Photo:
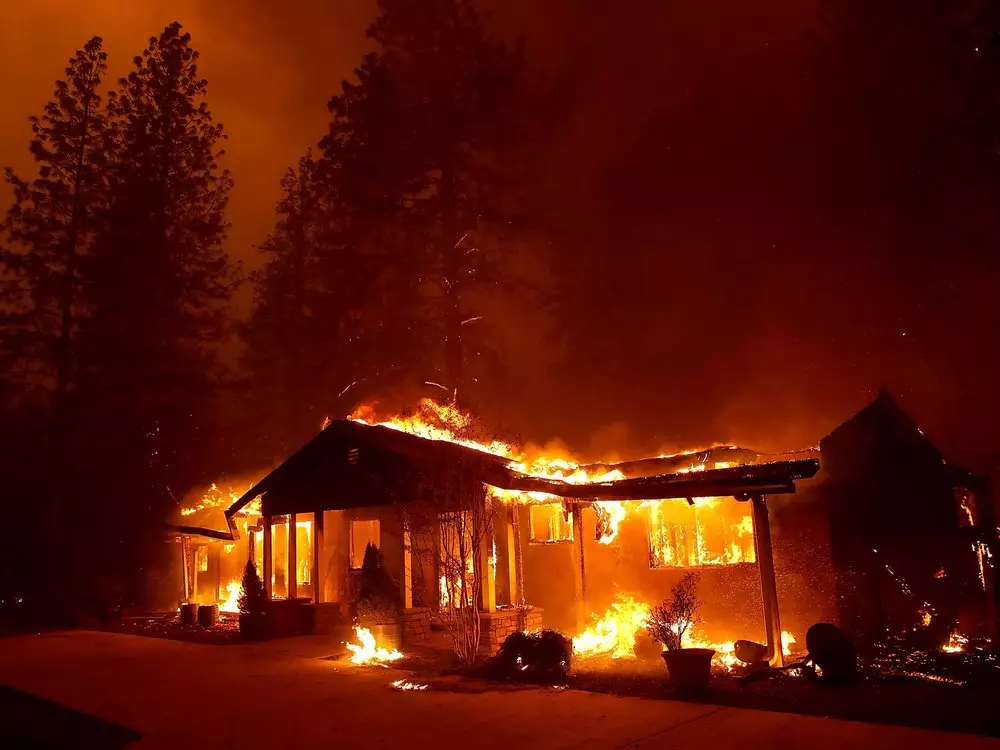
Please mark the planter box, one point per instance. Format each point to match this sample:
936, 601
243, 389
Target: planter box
257, 627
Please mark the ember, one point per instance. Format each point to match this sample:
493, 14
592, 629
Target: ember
369, 652
404, 685
956, 644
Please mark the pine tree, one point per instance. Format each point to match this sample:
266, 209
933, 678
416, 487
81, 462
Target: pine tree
422, 144
158, 279
285, 340
52, 221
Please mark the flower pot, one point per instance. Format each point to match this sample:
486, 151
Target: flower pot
189, 614
689, 667
208, 615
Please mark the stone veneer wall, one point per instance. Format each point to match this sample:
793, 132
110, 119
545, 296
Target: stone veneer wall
416, 624
329, 617
496, 626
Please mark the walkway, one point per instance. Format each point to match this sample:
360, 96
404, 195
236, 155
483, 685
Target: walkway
279, 695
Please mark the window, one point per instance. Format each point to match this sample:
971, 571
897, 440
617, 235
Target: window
363, 532
550, 524
712, 531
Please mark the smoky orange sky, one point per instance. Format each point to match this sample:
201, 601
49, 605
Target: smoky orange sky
715, 292
271, 69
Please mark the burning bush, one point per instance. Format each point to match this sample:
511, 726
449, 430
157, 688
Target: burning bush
534, 657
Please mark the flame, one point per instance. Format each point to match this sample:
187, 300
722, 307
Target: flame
368, 652
615, 632
231, 603
404, 685
435, 421
787, 640
956, 643
615, 514
215, 497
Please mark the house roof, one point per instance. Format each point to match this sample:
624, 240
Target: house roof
352, 464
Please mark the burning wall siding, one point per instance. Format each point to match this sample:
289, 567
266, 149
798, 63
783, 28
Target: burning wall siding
731, 592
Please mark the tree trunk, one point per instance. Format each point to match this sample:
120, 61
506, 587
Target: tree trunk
69, 273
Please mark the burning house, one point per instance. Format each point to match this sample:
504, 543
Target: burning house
553, 542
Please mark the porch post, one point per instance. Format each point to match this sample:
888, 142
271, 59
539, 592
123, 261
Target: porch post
268, 561
579, 569
515, 530
215, 561
293, 559
185, 546
406, 580
506, 564
317, 569
768, 583
483, 552
194, 572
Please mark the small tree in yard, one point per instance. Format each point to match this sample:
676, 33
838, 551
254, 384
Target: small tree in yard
671, 619
458, 514
253, 598
378, 599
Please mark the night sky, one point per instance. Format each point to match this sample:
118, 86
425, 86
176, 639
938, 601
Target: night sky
715, 290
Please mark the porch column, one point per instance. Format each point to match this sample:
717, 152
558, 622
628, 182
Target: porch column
768, 583
185, 547
488, 593
317, 569
515, 530
483, 552
579, 567
268, 561
293, 560
406, 580
506, 554
215, 561
194, 572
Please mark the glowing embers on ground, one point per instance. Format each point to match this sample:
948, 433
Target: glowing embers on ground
614, 635
956, 644
369, 652
407, 685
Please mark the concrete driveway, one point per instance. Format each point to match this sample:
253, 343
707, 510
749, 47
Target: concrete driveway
280, 695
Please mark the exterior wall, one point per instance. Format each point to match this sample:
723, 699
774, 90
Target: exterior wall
731, 596
494, 627
416, 624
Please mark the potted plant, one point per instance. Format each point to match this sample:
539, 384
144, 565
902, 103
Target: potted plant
669, 622
377, 606
255, 623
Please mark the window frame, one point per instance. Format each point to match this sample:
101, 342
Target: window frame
547, 542
350, 541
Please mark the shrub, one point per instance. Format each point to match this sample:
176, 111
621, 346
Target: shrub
378, 596
253, 598
533, 657
670, 620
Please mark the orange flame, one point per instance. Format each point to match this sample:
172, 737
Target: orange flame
369, 652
